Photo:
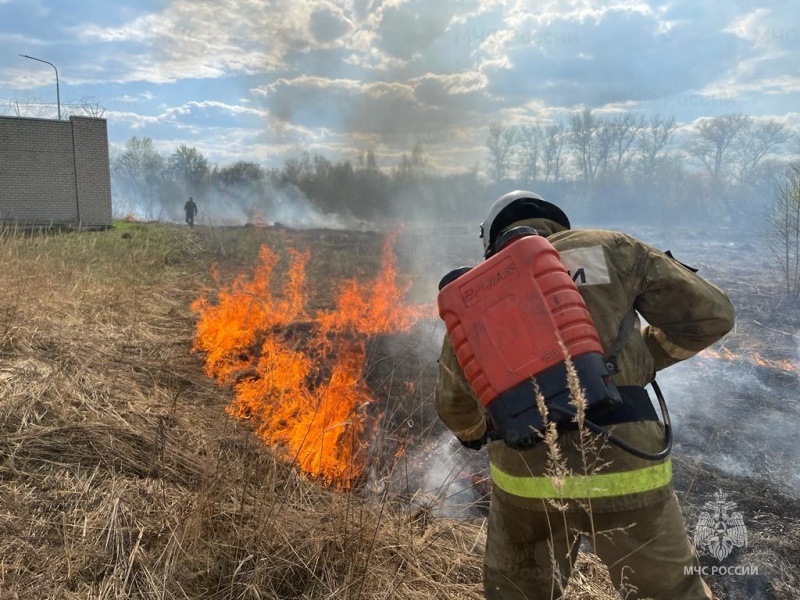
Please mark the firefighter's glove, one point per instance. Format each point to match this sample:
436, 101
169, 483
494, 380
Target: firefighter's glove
475, 444
486, 435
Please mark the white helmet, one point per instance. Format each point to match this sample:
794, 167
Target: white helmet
517, 206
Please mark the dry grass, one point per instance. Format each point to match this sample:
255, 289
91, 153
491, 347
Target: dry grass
120, 474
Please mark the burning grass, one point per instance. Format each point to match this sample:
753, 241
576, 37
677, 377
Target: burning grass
121, 476
298, 378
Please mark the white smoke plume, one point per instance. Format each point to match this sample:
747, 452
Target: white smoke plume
450, 482
286, 206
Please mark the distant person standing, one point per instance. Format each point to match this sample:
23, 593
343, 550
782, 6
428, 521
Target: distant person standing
191, 210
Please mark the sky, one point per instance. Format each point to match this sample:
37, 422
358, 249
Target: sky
264, 80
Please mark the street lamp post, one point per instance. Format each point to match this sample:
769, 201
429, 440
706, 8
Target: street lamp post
58, 93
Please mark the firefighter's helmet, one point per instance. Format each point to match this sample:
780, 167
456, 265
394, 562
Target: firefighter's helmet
517, 206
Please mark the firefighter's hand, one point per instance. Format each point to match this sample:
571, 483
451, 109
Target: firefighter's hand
474, 444
488, 435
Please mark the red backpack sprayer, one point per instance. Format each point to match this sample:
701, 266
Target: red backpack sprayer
514, 322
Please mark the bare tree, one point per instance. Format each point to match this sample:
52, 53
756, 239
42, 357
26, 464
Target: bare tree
784, 236
583, 138
652, 141
371, 162
712, 141
411, 168
418, 160
604, 143
530, 139
756, 140
501, 143
625, 129
552, 149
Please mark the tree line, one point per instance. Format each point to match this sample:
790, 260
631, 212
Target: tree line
623, 167
155, 185
725, 167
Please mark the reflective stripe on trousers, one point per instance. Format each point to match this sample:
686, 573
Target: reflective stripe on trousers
601, 485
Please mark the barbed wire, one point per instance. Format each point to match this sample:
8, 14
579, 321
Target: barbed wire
88, 106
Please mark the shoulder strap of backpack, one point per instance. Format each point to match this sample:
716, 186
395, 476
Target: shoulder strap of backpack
623, 335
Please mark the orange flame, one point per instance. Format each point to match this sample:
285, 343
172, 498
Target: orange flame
753, 357
299, 379
256, 217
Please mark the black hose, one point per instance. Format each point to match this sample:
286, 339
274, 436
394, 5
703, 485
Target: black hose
662, 454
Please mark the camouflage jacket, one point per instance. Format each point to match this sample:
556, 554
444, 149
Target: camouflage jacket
614, 272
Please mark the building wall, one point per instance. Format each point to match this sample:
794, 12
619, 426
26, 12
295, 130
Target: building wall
92, 171
55, 172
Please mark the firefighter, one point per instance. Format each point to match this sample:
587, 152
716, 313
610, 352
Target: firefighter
190, 208
623, 504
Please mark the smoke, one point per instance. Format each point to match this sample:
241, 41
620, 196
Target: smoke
236, 205
432, 249
286, 206
737, 416
450, 477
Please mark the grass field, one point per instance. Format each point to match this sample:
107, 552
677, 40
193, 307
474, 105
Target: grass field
121, 476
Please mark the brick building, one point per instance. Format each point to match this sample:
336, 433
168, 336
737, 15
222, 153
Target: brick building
55, 172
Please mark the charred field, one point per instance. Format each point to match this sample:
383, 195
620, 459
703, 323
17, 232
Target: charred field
123, 476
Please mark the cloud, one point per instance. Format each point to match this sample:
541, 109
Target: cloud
195, 116
407, 28
594, 56
774, 42
390, 112
338, 75
133, 99
223, 133
458, 90
212, 39
328, 23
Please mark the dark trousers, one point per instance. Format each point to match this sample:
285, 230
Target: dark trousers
530, 554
